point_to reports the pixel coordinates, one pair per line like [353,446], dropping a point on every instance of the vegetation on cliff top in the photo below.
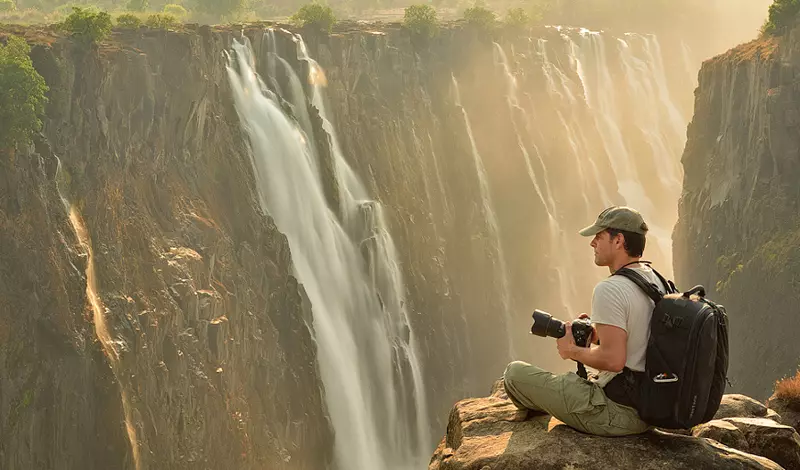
[782,15]
[788,389]
[88,24]
[22,94]
[315,15]
[421,20]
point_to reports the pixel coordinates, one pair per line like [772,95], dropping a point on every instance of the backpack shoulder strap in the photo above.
[669,286]
[649,289]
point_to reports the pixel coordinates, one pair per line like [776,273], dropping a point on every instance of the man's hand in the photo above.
[566,344]
[593,338]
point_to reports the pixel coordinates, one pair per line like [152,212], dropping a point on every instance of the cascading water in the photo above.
[107,342]
[659,123]
[348,266]
[566,284]
[491,220]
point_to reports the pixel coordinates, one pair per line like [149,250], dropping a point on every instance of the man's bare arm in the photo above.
[611,354]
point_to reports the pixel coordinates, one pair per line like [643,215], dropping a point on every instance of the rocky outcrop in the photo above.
[738,227]
[742,406]
[485,433]
[769,439]
[789,411]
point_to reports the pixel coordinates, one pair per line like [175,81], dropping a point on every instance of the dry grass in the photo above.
[788,389]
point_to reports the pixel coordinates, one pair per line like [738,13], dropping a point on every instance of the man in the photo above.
[621,316]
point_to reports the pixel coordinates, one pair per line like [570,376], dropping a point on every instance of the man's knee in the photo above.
[514,370]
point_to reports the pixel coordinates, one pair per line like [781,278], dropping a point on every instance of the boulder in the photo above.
[740,406]
[777,442]
[790,412]
[487,434]
[724,433]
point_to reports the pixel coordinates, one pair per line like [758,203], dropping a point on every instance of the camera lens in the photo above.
[545,325]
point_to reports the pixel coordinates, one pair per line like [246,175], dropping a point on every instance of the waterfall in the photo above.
[489,215]
[348,265]
[566,283]
[110,345]
[645,101]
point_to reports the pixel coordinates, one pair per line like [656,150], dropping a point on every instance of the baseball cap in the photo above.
[617,217]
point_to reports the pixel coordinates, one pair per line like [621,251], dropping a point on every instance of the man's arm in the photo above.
[611,354]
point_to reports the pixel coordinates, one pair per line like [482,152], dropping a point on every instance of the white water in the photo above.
[561,264]
[348,266]
[491,220]
[658,120]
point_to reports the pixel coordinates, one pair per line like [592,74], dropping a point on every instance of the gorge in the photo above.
[304,248]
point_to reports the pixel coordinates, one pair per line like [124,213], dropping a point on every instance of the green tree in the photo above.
[782,15]
[128,21]
[421,20]
[518,18]
[161,21]
[88,25]
[175,10]
[315,15]
[480,17]
[22,94]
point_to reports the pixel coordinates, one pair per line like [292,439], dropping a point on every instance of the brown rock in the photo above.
[724,433]
[481,435]
[789,416]
[740,406]
[769,439]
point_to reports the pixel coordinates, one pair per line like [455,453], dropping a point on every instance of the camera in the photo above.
[545,325]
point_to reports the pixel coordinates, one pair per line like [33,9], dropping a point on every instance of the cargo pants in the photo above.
[578,403]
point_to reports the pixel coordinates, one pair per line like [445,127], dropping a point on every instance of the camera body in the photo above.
[545,325]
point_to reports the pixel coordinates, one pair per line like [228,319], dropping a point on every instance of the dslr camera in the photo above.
[545,325]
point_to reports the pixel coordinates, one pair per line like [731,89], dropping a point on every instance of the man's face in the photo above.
[605,248]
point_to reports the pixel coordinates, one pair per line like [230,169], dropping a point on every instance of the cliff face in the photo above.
[487,158]
[216,359]
[738,228]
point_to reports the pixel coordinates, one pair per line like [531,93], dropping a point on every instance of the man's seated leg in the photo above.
[576,402]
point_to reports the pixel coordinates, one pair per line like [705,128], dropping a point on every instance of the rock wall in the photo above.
[216,355]
[738,225]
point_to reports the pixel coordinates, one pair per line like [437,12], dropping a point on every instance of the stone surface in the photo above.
[740,406]
[790,416]
[722,432]
[482,434]
[771,440]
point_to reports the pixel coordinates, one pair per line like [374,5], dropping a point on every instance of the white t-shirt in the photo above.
[617,301]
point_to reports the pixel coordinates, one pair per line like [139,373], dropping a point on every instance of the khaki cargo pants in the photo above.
[577,402]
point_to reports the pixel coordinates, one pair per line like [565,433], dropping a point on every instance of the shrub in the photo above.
[789,390]
[175,10]
[315,15]
[137,5]
[128,21]
[161,21]
[22,94]
[518,18]
[7,5]
[782,15]
[88,25]
[480,17]
[421,20]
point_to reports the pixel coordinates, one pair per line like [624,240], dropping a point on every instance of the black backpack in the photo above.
[686,359]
